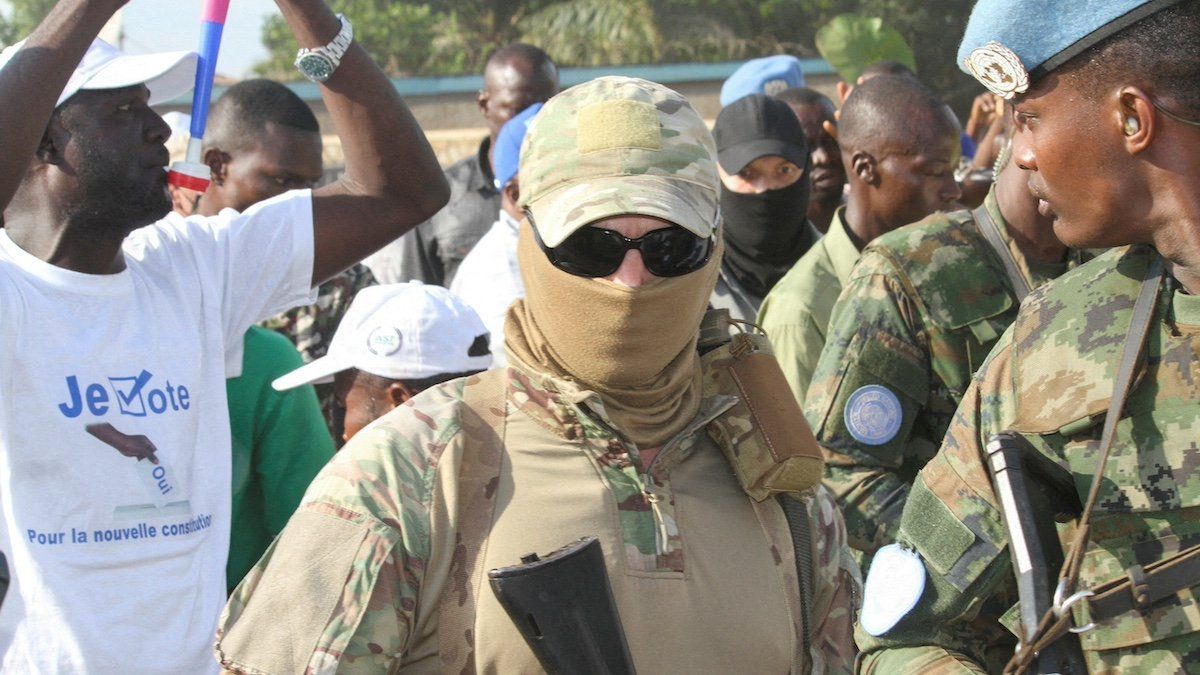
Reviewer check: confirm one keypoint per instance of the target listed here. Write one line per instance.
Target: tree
(23, 18)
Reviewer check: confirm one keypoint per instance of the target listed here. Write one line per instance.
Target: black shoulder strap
(796, 513)
(991, 232)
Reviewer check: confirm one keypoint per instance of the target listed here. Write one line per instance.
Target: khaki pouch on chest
(764, 436)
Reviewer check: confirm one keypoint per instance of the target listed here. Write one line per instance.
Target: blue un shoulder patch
(873, 415)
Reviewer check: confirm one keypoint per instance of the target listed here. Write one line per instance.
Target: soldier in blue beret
(1096, 383)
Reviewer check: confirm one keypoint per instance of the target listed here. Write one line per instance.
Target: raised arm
(392, 180)
(31, 83)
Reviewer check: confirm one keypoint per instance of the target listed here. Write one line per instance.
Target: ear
(1135, 119)
(513, 190)
(218, 161)
(398, 393)
(865, 166)
(483, 99)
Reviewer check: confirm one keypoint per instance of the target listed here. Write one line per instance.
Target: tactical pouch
(764, 436)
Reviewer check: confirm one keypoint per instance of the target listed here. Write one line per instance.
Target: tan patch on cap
(612, 125)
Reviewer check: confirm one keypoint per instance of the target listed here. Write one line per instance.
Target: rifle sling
(1135, 340)
(991, 232)
(1142, 587)
(1053, 626)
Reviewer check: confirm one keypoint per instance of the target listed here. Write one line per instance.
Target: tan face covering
(635, 347)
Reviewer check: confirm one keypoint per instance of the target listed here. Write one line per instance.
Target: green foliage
(397, 34)
(852, 42)
(22, 18)
(452, 37)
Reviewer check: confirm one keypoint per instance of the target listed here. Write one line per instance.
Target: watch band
(332, 52)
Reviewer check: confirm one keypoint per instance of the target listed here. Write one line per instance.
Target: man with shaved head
(514, 78)
(899, 146)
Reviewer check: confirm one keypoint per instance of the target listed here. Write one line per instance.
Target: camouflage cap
(615, 146)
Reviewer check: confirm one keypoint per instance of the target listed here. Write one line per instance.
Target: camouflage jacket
(1050, 378)
(919, 314)
(704, 578)
(311, 327)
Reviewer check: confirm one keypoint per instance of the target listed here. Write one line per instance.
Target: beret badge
(999, 69)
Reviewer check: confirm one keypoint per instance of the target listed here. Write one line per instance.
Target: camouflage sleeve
(340, 589)
(868, 393)
(796, 341)
(953, 522)
(838, 589)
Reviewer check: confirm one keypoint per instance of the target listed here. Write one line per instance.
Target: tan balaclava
(609, 147)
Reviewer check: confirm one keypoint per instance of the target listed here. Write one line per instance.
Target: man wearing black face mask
(763, 162)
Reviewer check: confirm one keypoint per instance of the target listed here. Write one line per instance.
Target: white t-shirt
(489, 280)
(118, 564)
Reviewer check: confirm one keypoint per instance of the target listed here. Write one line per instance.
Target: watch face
(315, 67)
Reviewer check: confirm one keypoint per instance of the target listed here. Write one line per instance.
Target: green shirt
(795, 314)
(280, 442)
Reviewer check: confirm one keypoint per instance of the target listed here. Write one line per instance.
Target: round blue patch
(873, 415)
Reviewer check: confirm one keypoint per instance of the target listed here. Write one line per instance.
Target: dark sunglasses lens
(674, 252)
(590, 252)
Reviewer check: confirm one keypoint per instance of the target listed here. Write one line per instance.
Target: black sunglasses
(597, 252)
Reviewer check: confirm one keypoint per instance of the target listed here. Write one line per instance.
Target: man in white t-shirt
(489, 278)
(119, 325)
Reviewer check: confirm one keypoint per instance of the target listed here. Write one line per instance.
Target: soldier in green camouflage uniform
(921, 310)
(383, 566)
(1051, 376)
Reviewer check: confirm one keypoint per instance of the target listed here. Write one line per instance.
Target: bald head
(515, 77)
(889, 114)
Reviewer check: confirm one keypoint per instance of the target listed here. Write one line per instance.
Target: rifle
(563, 606)
(1035, 493)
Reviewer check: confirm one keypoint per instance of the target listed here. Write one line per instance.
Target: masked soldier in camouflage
(607, 422)
(1107, 110)
(922, 309)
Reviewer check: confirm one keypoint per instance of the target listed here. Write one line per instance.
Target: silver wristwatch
(318, 64)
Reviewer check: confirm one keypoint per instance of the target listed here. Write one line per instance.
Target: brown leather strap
(483, 418)
(991, 232)
(1142, 587)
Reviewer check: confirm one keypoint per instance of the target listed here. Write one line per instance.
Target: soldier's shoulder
(402, 450)
(944, 261)
(1107, 283)
(808, 282)
(1068, 337)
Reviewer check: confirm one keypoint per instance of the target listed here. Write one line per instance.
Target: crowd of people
(815, 377)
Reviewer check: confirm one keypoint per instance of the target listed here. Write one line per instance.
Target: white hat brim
(167, 75)
(319, 370)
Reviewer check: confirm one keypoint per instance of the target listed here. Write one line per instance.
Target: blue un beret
(1011, 43)
(768, 75)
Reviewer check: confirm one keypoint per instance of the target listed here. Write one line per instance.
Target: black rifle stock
(1035, 493)
(563, 606)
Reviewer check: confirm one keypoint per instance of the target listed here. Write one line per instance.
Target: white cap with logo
(402, 332)
(168, 75)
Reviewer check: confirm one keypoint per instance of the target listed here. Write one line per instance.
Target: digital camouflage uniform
(311, 327)
(921, 311)
(362, 569)
(1050, 378)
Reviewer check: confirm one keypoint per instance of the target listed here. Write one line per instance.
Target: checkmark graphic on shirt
(129, 393)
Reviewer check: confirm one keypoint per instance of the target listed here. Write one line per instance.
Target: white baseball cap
(168, 75)
(402, 332)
